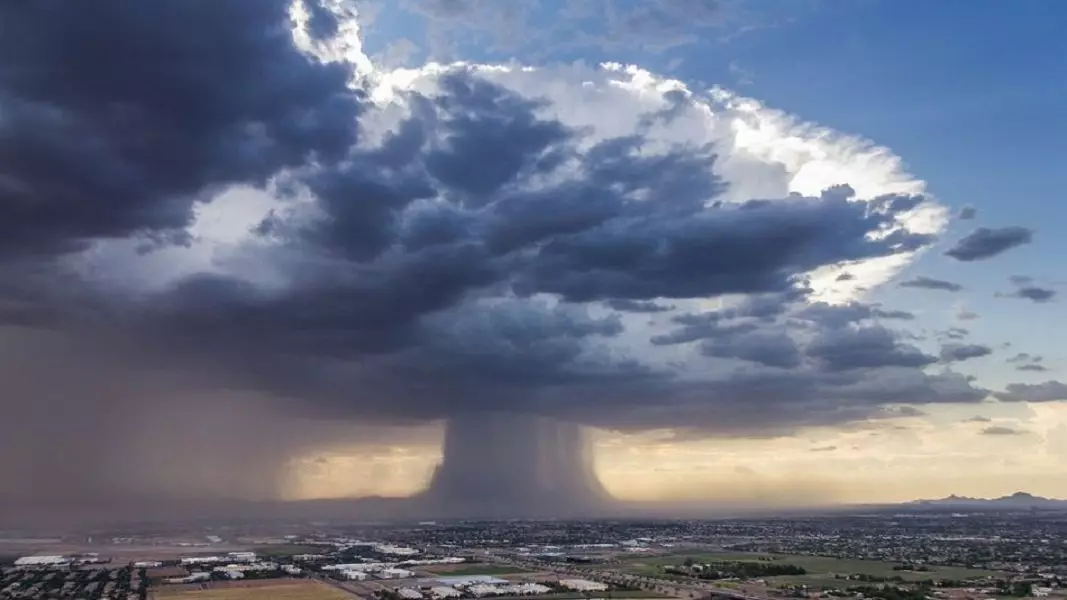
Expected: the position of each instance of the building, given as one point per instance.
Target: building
(583, 585)
(483, 589)
(42, 561)
(409, 594)
(241, 556)
(351, 575)
(531, 589)
(200, 560)
(444, 592)
(395, 573)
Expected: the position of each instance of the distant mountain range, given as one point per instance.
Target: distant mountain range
(1016, 501)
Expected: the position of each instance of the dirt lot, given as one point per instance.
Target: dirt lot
(255, 590)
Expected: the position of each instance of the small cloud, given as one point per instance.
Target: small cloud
(1033, 293)
(929, 283)
(1033, 368)
(978, 419)
(961, 352)
(983, 243)
(906, 411)
(1001, 430)
(824, 449)
(967, 213)
(845, 277)
(1048, 391)
(1020, 279)
(954, 333)
(1025, 357)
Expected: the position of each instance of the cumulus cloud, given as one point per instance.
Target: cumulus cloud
(929, 283)
(984, 242)
(592, 245)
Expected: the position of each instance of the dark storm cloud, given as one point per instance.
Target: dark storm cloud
(967, 213)
(929, 283)
(637, 306)
(960, 352)
(985, 243)
(1001, 430)
(867, 347)
(116, 119)
(1048, 391)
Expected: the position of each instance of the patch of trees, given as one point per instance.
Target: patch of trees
(907, 567)
(736, 569)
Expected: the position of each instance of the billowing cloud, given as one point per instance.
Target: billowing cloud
(98, 141)
(984, 242)
(929, 283)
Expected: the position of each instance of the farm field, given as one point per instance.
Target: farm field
(288, 549)
(472, 569)
(821, 569)
(304, 590)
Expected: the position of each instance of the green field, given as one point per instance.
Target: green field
(821, 569)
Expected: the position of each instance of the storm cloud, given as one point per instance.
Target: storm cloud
(278, 241)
